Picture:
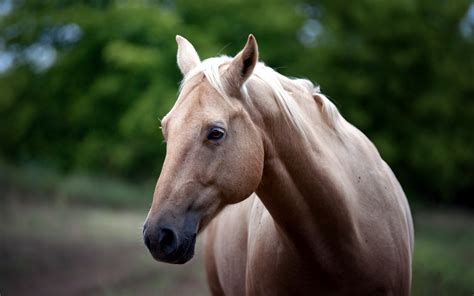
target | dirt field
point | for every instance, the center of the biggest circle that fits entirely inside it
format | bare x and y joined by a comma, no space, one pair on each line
57,250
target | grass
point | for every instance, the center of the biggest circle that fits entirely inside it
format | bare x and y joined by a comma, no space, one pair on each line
444,253
77,250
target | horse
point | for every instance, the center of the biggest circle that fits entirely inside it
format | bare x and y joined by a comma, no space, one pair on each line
292,197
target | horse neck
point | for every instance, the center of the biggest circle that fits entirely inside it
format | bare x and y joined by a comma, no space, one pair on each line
302,184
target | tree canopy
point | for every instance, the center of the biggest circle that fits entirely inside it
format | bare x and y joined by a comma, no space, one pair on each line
83,84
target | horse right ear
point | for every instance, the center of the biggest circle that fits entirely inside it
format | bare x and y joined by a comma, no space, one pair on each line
187,57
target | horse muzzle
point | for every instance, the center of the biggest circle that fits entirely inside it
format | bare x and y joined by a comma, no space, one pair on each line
168,245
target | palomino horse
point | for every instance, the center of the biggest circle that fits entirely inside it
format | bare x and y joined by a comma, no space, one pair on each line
329,217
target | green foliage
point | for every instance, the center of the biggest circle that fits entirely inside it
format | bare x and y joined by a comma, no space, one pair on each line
96,109
401,71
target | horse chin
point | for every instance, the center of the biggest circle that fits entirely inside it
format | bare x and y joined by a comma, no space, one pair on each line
207,218
188,253
203,225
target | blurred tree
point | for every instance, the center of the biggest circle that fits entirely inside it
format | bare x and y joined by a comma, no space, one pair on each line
403,72
97,107
84,83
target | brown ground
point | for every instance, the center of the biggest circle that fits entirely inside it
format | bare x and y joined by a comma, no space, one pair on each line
59,250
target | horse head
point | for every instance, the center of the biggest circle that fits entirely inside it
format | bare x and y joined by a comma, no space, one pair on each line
214,153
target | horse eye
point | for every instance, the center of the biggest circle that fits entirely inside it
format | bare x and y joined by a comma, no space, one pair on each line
216,134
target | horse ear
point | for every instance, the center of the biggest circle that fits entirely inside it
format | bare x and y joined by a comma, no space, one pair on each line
242,65
187,56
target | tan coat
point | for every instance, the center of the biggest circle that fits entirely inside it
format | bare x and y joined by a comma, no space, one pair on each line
328,218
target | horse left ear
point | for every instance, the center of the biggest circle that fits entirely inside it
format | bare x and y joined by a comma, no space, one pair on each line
242,65
187,57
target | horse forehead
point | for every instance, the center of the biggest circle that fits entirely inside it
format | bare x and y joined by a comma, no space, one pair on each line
197,101
199,97
203,95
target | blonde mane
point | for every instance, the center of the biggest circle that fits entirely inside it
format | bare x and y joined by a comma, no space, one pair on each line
293,113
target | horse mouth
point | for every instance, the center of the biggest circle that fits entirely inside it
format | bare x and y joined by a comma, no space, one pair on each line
187,253
170,246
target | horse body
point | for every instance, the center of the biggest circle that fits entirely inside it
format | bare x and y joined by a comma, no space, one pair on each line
329,217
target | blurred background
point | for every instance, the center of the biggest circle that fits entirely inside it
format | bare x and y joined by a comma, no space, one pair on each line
83,85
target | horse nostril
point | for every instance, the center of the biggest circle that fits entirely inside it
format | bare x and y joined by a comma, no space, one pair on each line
167,241
147,241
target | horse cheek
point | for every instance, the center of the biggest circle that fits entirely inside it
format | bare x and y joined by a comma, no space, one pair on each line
245,172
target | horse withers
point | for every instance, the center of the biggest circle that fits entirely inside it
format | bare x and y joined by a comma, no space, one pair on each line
294,199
